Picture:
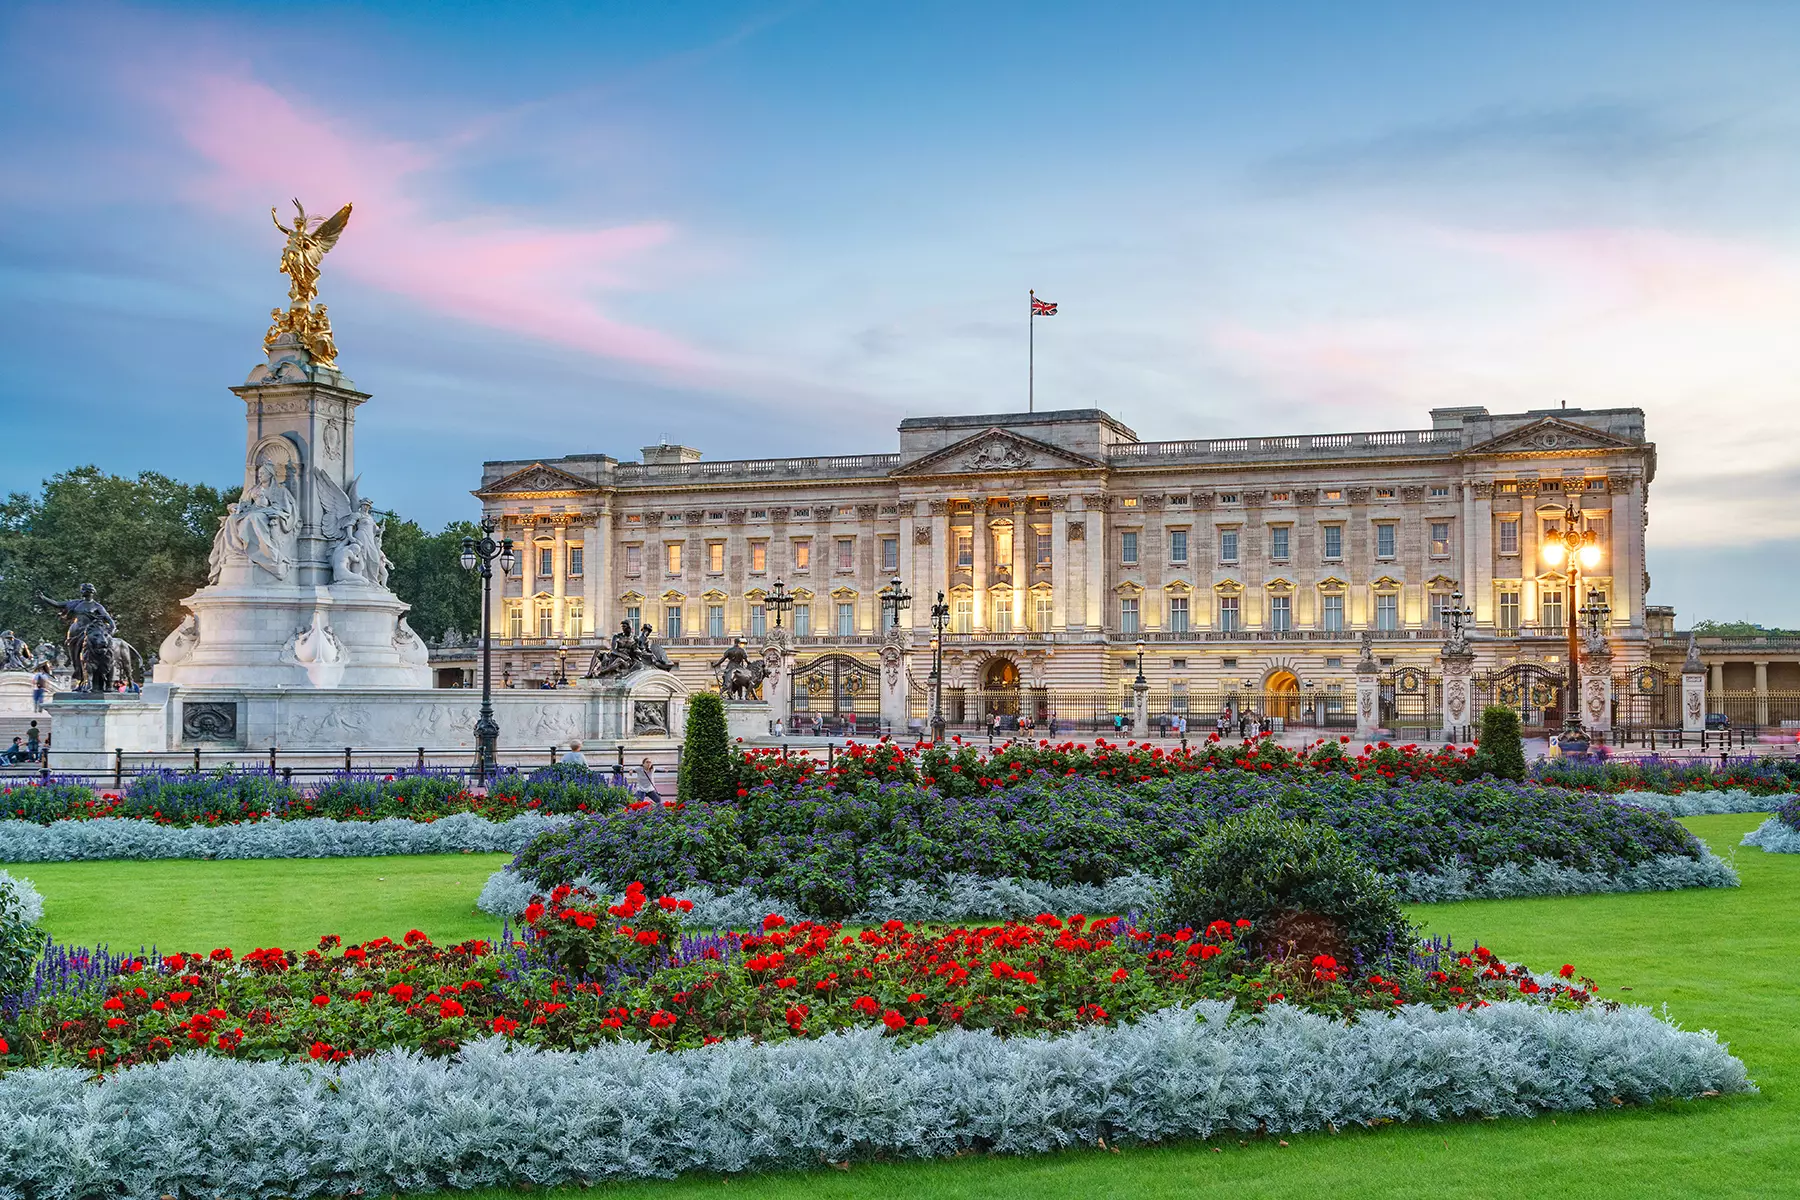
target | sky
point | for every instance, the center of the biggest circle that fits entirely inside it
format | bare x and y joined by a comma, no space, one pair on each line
779,228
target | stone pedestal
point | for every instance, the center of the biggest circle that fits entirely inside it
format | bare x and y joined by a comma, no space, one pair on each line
1597,693
90,728
1693,702
1459,692
748,720
327,636
777,687
894,707
15,694
645,704
1140,710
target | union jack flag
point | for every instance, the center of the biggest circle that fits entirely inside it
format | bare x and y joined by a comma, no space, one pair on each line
1042,308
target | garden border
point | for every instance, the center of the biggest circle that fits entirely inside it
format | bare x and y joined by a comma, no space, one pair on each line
311,837
1719,802
494,1116
1774,836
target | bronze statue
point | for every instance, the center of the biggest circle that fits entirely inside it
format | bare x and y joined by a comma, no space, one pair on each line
97,661
619,658
15,654
652,654
740,678
300,260
80,615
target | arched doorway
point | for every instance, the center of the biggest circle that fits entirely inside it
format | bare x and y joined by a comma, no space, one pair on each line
1000,688
1282,696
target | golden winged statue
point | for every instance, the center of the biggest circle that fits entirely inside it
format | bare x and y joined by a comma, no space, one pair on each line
300,258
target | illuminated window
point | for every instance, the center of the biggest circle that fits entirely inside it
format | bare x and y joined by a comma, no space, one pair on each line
715,557
965,550
1002,622
1044,615
575,560
1384,493
1550,606
802,554
1440,538
846,554
1043,547
759,557
515,620
546,622
572,624
1128,615
634,560
1334,493
1178,614
1508,618
672,621
672,555
962,615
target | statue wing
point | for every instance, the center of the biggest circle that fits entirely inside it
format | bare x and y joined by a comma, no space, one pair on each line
328,233
339,511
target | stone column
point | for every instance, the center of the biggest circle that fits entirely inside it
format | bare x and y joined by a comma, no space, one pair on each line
1368,692
1762,693
1059,562
1140,710
894,657
1095,535
597,573
1022,558
559,577
776,689
942,561
1459,691
1718,679
1597,691
1693,692
979,537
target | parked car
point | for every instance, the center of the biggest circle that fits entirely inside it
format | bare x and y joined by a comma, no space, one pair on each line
1718,721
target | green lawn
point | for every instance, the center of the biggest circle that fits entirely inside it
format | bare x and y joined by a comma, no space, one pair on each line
1718,959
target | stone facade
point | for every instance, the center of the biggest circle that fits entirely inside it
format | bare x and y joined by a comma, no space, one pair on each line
1060,539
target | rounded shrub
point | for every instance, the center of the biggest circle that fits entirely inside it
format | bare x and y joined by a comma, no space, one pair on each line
1305,891
20,941
707,772
1502,752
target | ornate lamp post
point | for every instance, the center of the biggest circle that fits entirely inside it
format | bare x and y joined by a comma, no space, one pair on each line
1458,616
1312,710
778,601
895,599
479,556
1140,663
1577,548
940,612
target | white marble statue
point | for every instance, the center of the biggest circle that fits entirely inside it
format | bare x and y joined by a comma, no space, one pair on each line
262,526
354,533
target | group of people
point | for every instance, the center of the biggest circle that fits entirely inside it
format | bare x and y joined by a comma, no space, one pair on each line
643,780
28,749
1248,724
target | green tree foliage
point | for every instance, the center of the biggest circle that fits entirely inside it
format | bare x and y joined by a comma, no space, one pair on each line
1502,752
1304,888
428,575
1738,629
143,543
706,768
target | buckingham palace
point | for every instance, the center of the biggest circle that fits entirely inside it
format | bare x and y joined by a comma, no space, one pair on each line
1241,573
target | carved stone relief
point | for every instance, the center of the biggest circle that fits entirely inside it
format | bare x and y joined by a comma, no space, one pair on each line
921,535
1077,531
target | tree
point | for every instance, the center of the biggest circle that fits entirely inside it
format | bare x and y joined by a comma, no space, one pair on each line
143,543
428,574
706,773
1502,752
1737,629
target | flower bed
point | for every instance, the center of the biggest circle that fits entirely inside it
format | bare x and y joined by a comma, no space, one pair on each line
604,1045
218,798
1703,803
822,851
1760,775
316,837
1780,834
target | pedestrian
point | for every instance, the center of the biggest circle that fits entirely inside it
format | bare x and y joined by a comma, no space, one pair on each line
645,784
16,754
777,727
33,745
575,757
40,687
993,727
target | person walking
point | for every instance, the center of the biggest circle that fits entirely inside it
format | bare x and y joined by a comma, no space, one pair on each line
40,687
33,743
574,756
645,783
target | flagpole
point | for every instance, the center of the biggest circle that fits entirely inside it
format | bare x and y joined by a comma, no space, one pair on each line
1031,353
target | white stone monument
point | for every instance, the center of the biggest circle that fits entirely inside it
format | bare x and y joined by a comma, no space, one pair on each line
1693,691
1368,691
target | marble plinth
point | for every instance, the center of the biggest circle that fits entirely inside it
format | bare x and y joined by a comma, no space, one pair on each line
15,694
748,720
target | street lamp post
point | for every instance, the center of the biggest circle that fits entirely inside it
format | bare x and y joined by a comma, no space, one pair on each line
1140,663
895,599
779,600
479,556
940,612
1577,548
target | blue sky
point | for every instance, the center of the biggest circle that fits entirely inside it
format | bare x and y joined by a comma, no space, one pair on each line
780,228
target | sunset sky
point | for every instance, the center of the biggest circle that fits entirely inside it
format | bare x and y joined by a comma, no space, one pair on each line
772,229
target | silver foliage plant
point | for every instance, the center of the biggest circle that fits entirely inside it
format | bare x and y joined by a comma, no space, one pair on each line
496,1116
1774,836
506,893
315,837
19,900
1701,804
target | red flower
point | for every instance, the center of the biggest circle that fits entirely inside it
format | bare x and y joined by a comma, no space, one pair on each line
117,1022
320,1050
402,992
222,954
321,1001
893,1020
661,1019
532,912
450,1008
1121,975
774,921
414,937
1567,971
364,996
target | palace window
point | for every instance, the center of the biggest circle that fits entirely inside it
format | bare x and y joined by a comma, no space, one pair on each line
672,621
1044,544
1278,541
1128,615
802,554
1334,541
965,550
672,558
1228,614
759,621
515,620
634,560
846,618
1439,490
1334,493
575,561
1128,547
1334,697
635,615
715,557
1384,493
1509,537
962,615
1178,614
1279,497
1178,698
890,554
802,620
1043,615
1440,539
546,561
1228,664
546,622
1228,545
572,619
1332,614
1178,545
1550,606
1387,611
1228,497
1384,540
1508,619
1281,613
759,557
1002,622
846,554
715,620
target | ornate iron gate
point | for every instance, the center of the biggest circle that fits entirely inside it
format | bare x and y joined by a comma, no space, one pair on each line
1411,698
1645,698
1532,690
835,692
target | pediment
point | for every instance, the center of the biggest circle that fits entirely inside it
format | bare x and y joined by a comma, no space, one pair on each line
1549,435
539,480
995,450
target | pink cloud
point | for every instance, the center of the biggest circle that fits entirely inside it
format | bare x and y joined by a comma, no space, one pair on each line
490,270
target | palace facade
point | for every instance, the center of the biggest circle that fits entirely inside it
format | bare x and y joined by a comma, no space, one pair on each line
1248,568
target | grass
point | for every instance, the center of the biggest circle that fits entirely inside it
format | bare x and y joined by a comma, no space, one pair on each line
1719,959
